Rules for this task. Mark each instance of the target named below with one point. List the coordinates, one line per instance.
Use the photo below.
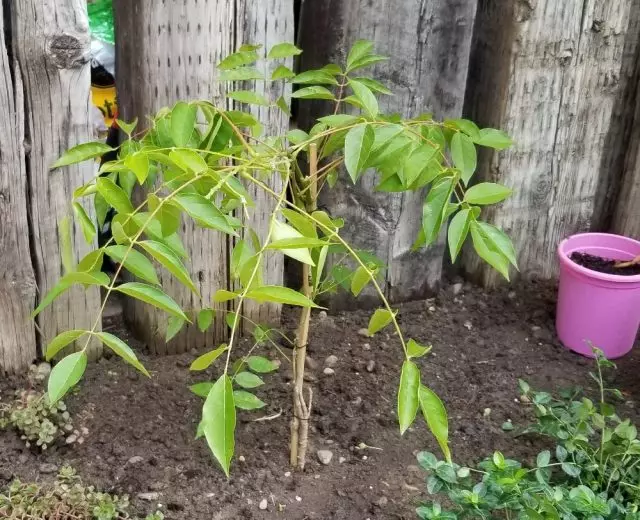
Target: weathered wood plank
(17, 279)
(267, 23)
(51, 44)
(551, 74)
(168, 54)
(428, 42)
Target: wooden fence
(560, 77)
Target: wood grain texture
(429, 43)
(51, 44)
(266, 23)
(17, 279)
(169, 54)
(552, 74)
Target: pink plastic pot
(595, 308)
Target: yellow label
(105, 99)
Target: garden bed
(141, 432)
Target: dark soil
(483, 342)
(604, 265)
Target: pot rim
(571, 265)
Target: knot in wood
(68, 51)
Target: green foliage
(203, 162)
(67, 498)
(38, 421)
(592, 470)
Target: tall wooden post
(169, 52)
(428, 43)
(17, 280)
(554, 75)
(52, 48)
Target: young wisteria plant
(197, 159)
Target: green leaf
(283, 50)
(134, 262)
(219, 421)
(204, 212)
(570, 469)
(296, 243)
(360, 49)
(127, 128)
(153, 296)
(248, 380)
(320, 76)
(183, 122)
(278, 294)
(463, 153)
(458, 231)
(87, 225)
(174, 325)
(486, 193)
(297, 136)
(188, 160)
(435, 414)
(282, 72)
(408, 395)
(123, 350)
(360, 280)
(336, 120)
(357, 147)
(138, 163)
(374, 85)
(246, 400)
(91, 262)
(496, 139)
(366, 61)
(61, 341)
(379, 320)
(249, 97)
(314, 92)
(261, 365)
(222, 295)
(417, 162)
(241, 74)
(468, 127)
(66, 374)
(206, 360)
(282, 231)
(500, 242)
(434, 208)
(85, 278)
(486, 250)
(282, 104)
(82, 152)
(301, 222)
(543, 459)
(168, 259)
(201, 389)
(205, 319)
(238, 59)
(114, 195)
(415, 350)
(365, 96)
(101, 207)
(66, 248)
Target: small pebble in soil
(341, 460)
(486, 412)
(364, 457)
(287, 473)
(328, 371)
(263, 504)
(324, 456)
(432, 309)
(456, 288)
(135, 460)
(366, 346)
(468, 325)
(47, 468)
(331, 361)
(364, 332)
(311, 363)
(241, 458)
(382, 501)
(298, 499)
(322, 315)
(371, 365)
(149, 497)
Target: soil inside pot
(604, 265)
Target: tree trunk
(51, 43)
(17, 280)
(554, 75)
(428, 42)
(165, 55)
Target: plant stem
(302, 409)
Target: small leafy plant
(38, 421)
(200, 161)
(593, 472)
(65, 499)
